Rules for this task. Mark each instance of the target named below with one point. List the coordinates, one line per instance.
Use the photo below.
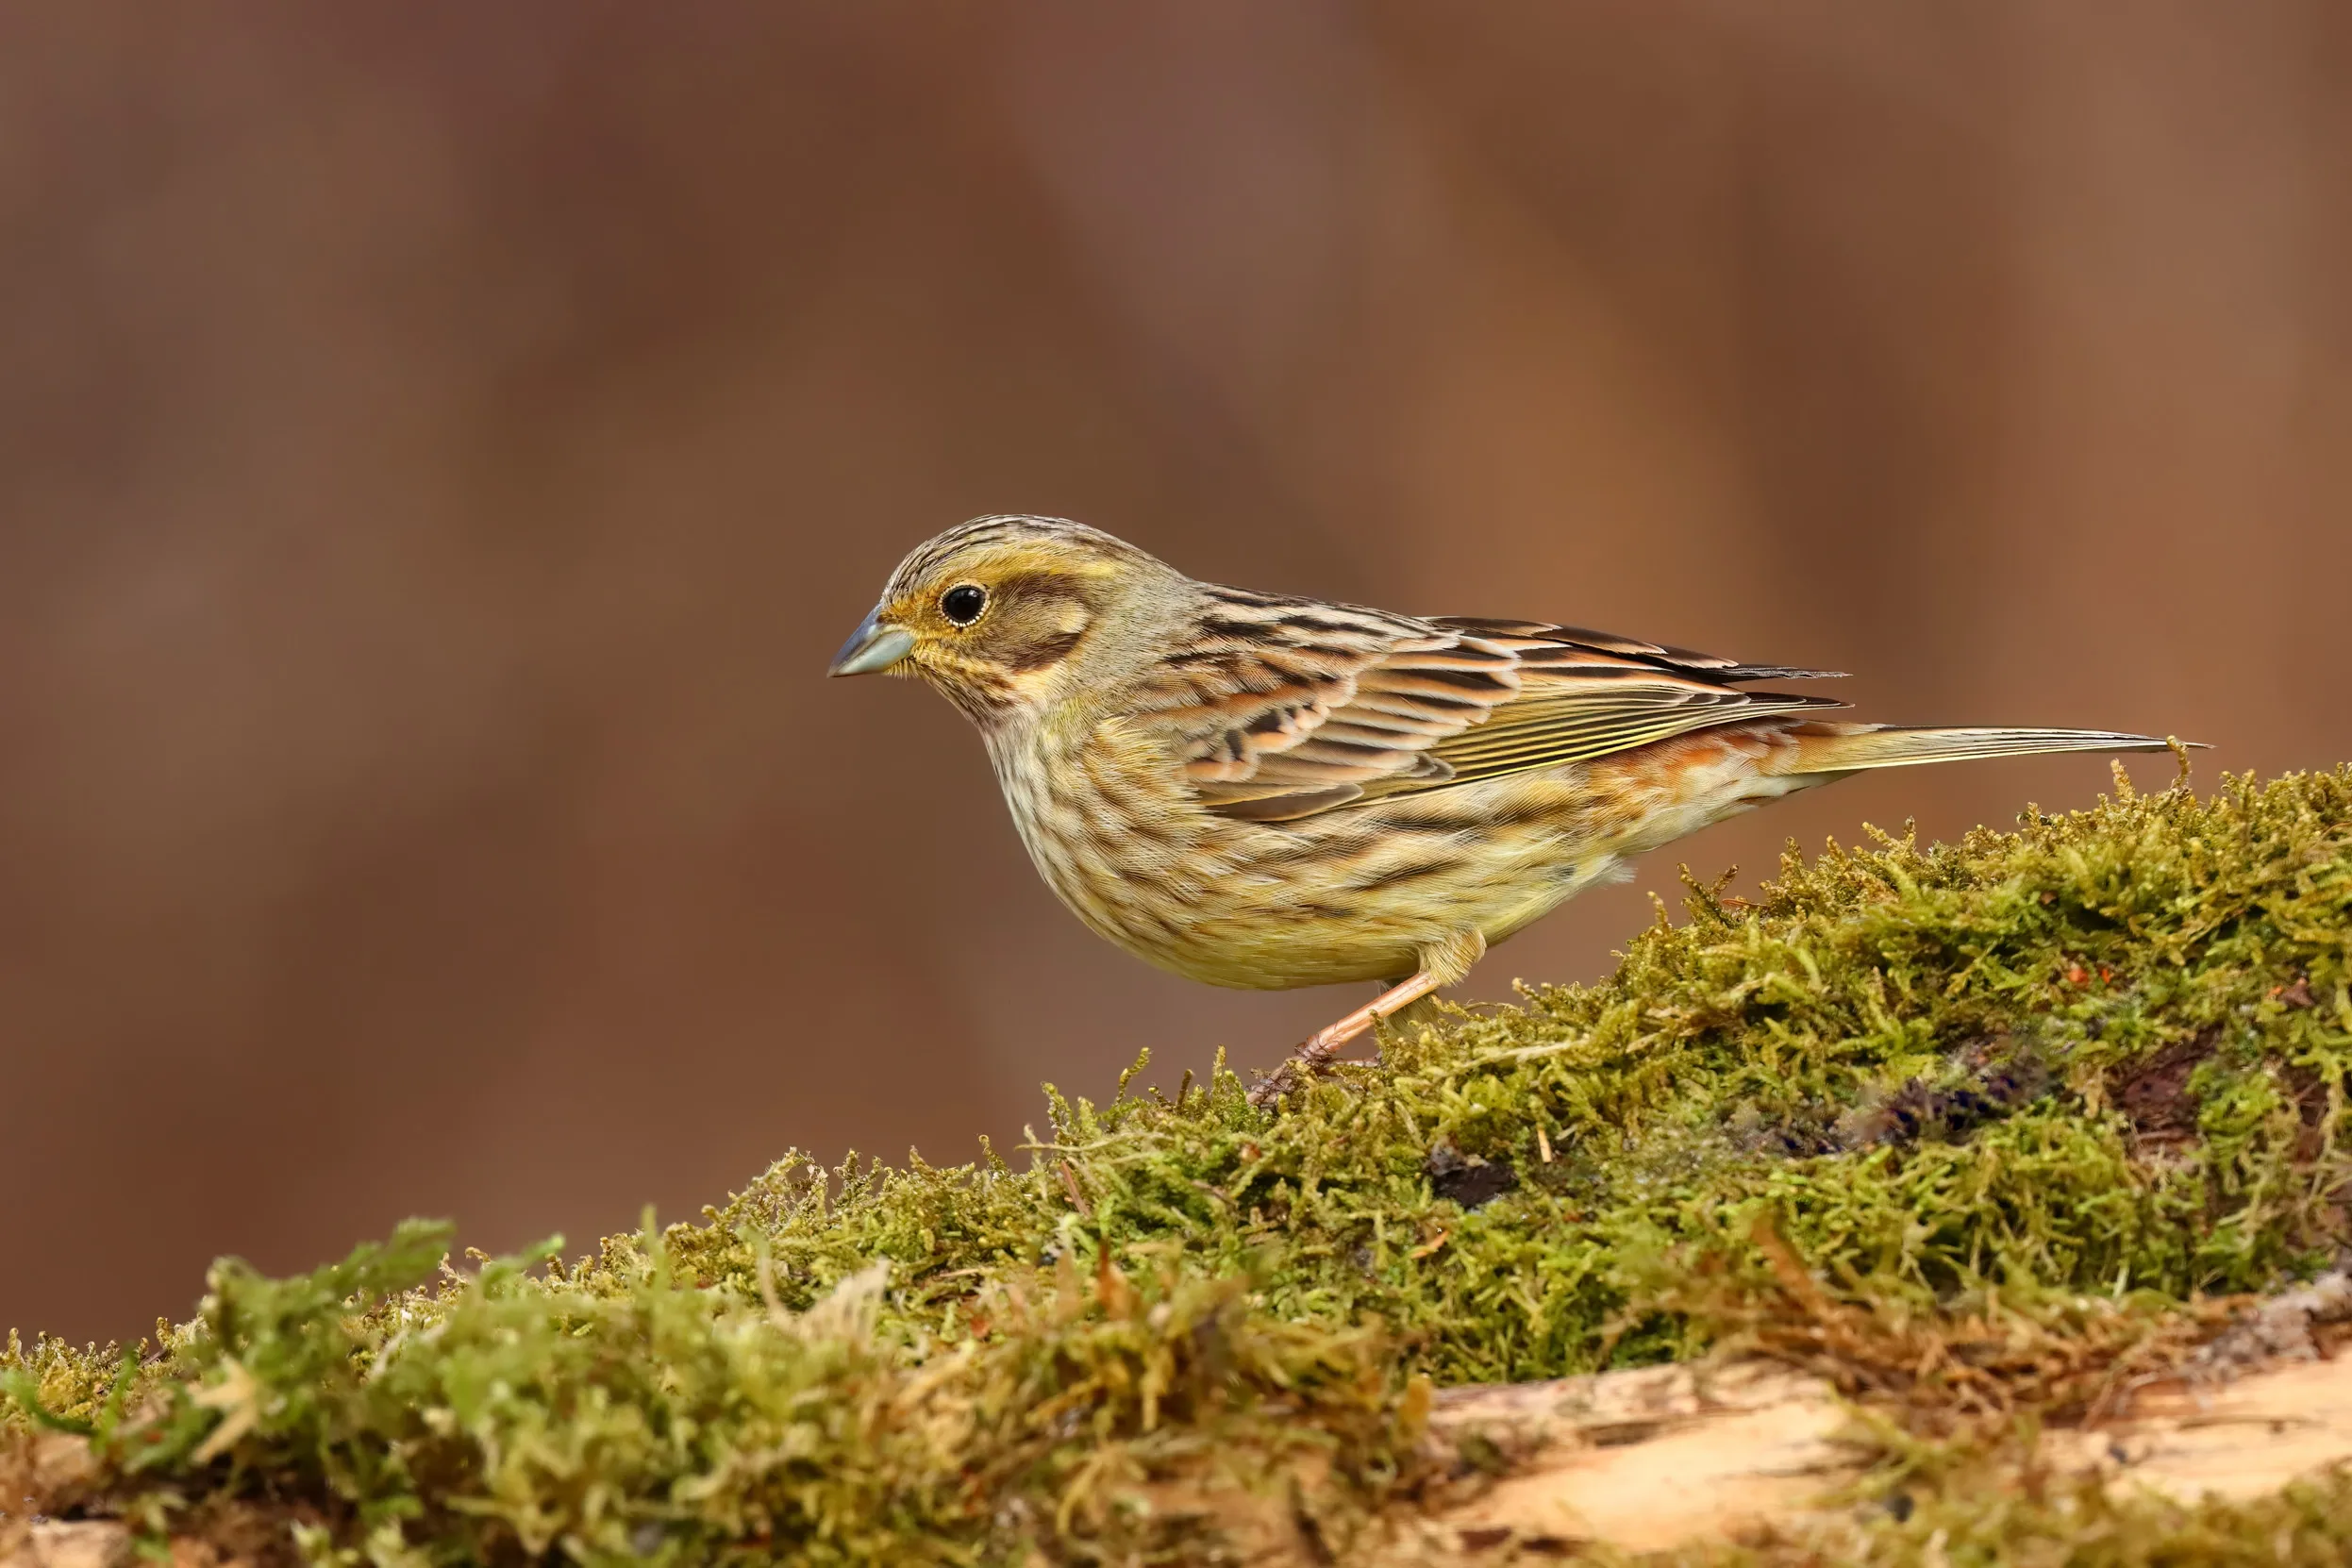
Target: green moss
(1986, 1520)
(2102, 1056)
(2309, 1525)
(1761, 1059)
(614, 1411)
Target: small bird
(1263, 791)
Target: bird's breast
(1118, 841)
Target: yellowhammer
(1263, 791)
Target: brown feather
(1368, 706)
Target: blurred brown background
(441, 444)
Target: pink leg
(1326, 1041)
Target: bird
(1268, 791)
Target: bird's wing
(1656, 655)
(1279, 709)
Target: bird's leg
(1325, 1043)
(1440, 965)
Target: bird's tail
(1819, 747)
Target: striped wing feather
(1282, 708)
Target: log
(1666, 1456)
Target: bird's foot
(1316, 1055)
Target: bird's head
(1008, 616)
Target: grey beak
(873, 646)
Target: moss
(1984, 1519)
(2099, 1060)
(1985, 1505)
(614, 1411)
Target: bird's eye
(963, 603)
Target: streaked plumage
(1264, 791)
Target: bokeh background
(441, 444)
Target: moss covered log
(2076, 1080)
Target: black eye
(963, 603)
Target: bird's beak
(873, 646)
